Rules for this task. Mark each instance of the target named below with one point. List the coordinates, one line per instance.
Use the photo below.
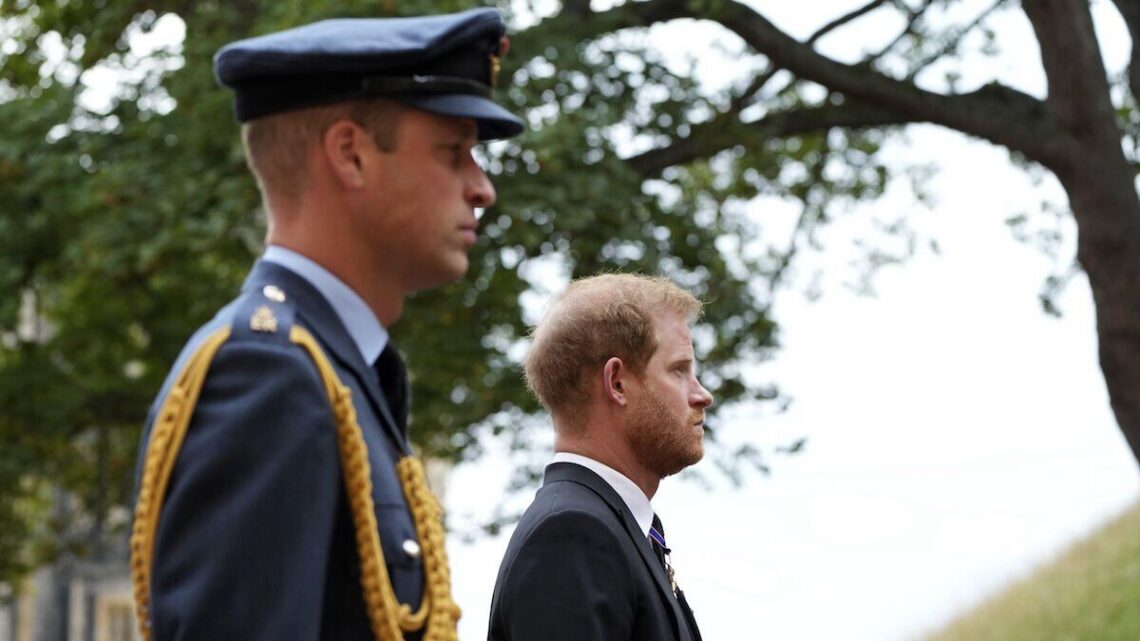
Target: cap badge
(495, 66)
(497, 58)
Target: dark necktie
(393, 383)
(657, 538)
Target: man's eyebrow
(465, 129)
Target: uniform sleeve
(244, 535)
(569, 581)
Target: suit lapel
(578, 474)
(327, 327)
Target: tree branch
(953, 42)
(844, 19)
(1003, 121)
(1130, 11)
(913, 16)
(762, 79)
(805, 223)
(724, 132)
(1078, 86)
(1001, 115)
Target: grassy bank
(1090, 593)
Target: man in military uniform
(277, 496)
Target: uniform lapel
(327, 327)
(582, 476)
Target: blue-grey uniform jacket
(255, 539)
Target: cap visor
(493, 121)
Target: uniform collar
(632, 495)
(365, 329)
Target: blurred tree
(128, 216)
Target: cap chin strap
(421, 85)
(438, 613)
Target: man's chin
(679, 465)
(443, 276)
(699, 444)
(697, 456)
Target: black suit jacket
(579, 568)
(255, 539)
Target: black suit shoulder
(574, 514)
(567, 574)
(579, 567)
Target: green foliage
(129, 218)
(1090, 592)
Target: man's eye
(452, 151)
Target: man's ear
(343, 146)
(614, 377)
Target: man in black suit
(278, 498)
(613, 362)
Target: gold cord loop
(438, 613)
(166, 438)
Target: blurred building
(73, 601)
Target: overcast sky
(957, 435)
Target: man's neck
(619, 459)
(385, 300)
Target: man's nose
(701, 397)
(480, 191)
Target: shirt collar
(632, 495)
(365, 329)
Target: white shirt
(363, 327)
(634, 498)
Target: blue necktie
(661, 549)
(657, 537)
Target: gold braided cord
(166, 438)
(444, 616)
(388, 617)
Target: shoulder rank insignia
(263, 320)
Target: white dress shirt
(634, 498)
(365, 329)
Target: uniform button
(411, 548)
(274, 293)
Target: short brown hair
(277, 146)
(595, 319)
